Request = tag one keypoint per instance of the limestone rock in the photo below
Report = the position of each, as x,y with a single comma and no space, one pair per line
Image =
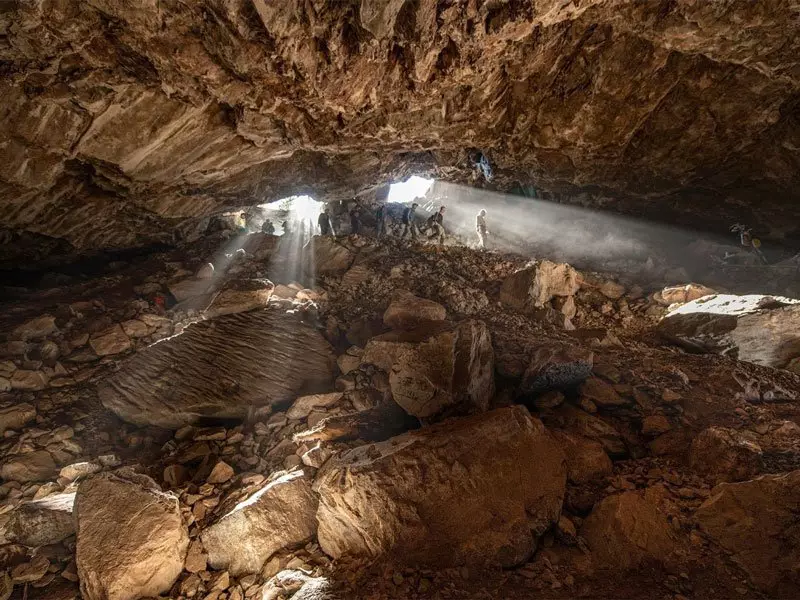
612,290
330,256
556,366
189,288
757,329
625,530
35,329
681,294
241,295
492,483
436,367
408,311
33,466
81,469
756,521
16,416
303,406
205,272
221,473
586,459
131,538
110,341
220,368
43,522
534,286
279,515
726,455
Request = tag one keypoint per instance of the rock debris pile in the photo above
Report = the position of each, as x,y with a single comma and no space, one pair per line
400,421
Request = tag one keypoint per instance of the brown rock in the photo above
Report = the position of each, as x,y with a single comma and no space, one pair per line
196,558
556,366
534,286
33,466
612,290
110,341
726,455
279,515
407,311
330,257
681,294
302,407
269,357
134,328
625,530
549,399
175,475
437,366
492,484
205,272
43,522
35,329
16,416
188,288
241,295
756,522
119,555
578,422
30,381
586,458
221,473
655,425
601,393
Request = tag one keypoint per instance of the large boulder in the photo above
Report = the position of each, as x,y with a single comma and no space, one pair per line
625,530
726,455
31,466
131,538
280,515
42,522
220,368
241,295
407,311
437,366
758,329
476,490
756,523
330,256
534,286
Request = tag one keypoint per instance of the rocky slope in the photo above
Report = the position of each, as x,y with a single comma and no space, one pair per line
491,428
120,120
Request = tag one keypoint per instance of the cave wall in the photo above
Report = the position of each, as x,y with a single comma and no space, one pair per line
119,120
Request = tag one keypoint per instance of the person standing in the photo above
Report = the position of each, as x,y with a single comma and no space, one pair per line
436,225
267,227
409,221
480,228
324,222
355,221
380,216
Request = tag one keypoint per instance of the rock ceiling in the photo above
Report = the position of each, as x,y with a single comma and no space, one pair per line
120,118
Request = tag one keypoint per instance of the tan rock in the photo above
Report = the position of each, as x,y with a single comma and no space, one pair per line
655,425
30,381
35,329
16,416
534,286
330,256
556,366
302,407
434,368
586,458
134,328
408,311
279,515
492,483
681,294
110,341
241,295
43,522
78,470
205,272
188,288
221,473
612,290
726,455
33,466
196,558
623,531
756,523
578,422
118,553
565,305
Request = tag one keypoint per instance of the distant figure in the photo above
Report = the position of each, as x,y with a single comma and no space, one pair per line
435,224
324,222
409,221
355,221
285,226
267,227
380,217
747,240
480,228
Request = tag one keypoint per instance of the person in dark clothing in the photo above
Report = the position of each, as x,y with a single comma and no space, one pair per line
380,217
285,226
267,227
324,222
436,226
409,221
355,221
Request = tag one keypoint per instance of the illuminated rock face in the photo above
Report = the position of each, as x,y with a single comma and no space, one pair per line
135,116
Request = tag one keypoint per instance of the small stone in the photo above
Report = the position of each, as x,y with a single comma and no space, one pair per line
16,416
27,380
655,425
549,399
175,475
196,558
221,473
205,272
35,329
81,469
30,571
587,405
397,578
110,341
33,466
